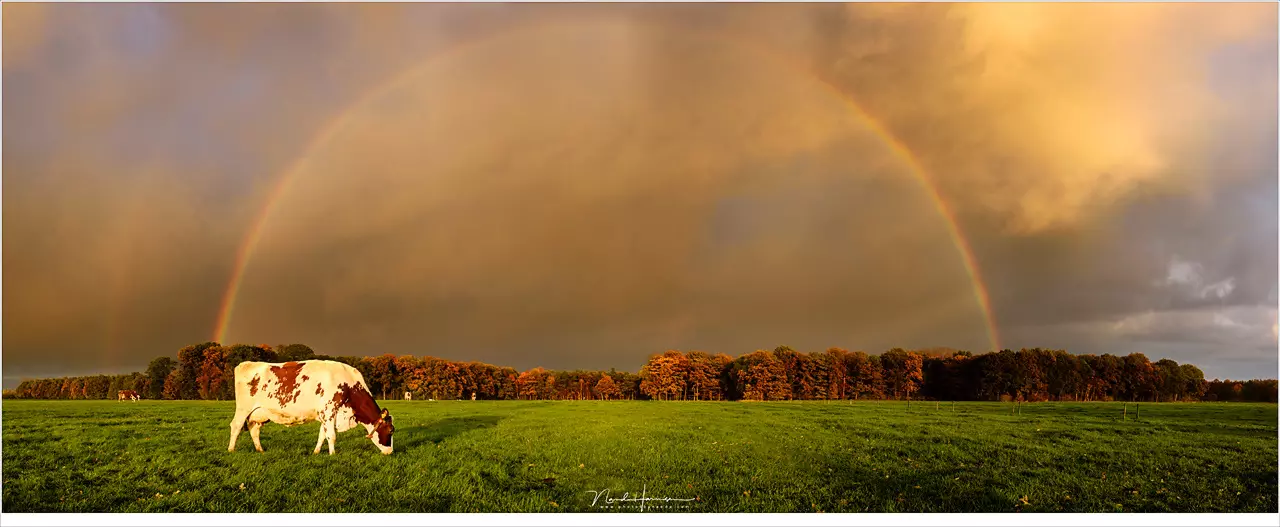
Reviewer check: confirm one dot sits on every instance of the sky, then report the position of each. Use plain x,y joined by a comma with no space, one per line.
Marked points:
580,186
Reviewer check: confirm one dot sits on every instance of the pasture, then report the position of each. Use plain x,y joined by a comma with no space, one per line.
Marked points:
543,456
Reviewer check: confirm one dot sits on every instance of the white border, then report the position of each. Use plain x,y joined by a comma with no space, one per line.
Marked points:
630,519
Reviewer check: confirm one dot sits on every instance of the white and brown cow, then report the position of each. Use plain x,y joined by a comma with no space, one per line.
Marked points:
127,395
294,393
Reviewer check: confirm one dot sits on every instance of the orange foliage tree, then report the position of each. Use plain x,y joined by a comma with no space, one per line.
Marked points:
903,373
606,389
665,376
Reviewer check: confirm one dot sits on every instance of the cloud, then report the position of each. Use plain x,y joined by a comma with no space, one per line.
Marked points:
1188,276
1250,326
1044,115
1218,289
579,185
1184,273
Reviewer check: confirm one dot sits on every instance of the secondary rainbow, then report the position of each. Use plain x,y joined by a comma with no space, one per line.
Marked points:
244,253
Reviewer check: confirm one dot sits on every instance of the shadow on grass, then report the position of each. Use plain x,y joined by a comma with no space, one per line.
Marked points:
433,433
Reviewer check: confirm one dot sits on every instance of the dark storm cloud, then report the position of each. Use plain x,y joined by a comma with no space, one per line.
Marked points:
607,181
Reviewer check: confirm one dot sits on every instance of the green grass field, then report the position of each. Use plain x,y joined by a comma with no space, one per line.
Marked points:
480,456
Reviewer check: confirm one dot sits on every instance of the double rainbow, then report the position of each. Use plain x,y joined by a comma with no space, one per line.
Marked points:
248,246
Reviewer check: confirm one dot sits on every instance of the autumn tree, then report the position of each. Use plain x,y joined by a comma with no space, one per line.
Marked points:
505,379
793,365
1064,375
1138,377
472,377
759,376
1104,381
704,375
173,385
383,376
866,377
665,376
606,389
532,384
436,378
190,360
838,377
211,378
902,372
207,371
1029,376
816,379
409,377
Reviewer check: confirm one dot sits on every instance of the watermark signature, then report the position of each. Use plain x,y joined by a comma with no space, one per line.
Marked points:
604,500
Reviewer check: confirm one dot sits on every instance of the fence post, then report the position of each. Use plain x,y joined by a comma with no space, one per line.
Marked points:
1125,415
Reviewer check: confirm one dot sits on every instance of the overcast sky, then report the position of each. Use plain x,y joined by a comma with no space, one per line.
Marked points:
579,186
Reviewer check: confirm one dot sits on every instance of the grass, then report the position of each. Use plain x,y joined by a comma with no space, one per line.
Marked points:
516,456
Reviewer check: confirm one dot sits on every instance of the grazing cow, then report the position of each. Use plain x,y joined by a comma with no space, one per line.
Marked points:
408,396
128,395
473,396
293,393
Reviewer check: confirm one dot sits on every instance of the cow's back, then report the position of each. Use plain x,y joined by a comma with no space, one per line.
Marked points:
292,391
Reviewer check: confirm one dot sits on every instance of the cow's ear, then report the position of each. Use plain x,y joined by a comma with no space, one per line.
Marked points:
385,413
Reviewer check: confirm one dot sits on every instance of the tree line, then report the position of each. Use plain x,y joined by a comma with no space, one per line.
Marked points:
205,371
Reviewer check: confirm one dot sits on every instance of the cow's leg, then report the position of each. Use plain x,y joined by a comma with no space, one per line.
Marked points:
254,428
330,433
237,424
320,440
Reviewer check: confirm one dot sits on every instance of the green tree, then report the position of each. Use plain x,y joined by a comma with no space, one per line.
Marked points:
294,352
1195,386
157,371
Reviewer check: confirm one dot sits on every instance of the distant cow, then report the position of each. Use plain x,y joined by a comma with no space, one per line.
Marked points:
127,395
294,393
408,396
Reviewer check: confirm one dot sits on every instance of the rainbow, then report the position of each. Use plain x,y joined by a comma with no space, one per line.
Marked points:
244,253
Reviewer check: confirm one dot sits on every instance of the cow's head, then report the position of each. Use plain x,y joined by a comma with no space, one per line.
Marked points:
381,432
